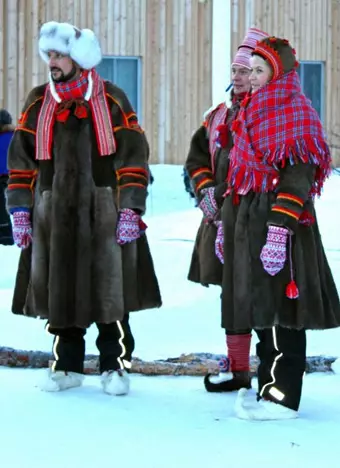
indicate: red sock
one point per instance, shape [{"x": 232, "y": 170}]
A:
[{"x": 238, "y": 352}]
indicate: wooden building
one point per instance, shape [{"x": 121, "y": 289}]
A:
[
  {"x": 158, "y": 50},
  {"x": 173, "y": 57}
]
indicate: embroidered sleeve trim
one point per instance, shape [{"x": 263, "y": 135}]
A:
[
  {"x": 286, "y": 211},
  {"x": 19, "y": 186},
  {"x": 137, "y": 176},
  {"x": 201, "y": 171},
  {"x": 132, "y": 184},
  {"x": 202, "y": 183},
  {"x": 125, "y": 120},
  {"x": 293, "y": 198},
  {"x": 136, "y": 170},
  {"x": 24, "y": 129},
  {"x": 23, "y": 117},
  {"x": 134, "y": 128},
  {"x": 27, "y": 173}
]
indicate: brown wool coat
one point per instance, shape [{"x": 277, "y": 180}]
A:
[
  {"x": 205, "y": 268},
  {"x": 75, "y": 273},
  {"x": 253, "y": 299}
]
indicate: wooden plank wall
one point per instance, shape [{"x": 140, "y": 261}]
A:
[
  {"x": 313, "y": 27},
  {"x": 173, "y": 37}
]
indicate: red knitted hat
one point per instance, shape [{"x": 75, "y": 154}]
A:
[
  {"x": 279, "y": 54},
  {"x": 248, "y": 45}
]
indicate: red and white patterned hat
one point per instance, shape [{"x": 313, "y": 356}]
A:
[
  {"x": 278, "y": 53},
  {"x": 245, "y": 50}
]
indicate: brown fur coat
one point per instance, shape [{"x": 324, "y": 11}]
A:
[{"x": 76, "y": 274}]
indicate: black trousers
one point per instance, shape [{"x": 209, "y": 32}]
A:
[
  {"x": 115, "y": 344},
  {"x": 282, "y": 354}
]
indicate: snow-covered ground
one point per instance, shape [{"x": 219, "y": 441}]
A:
[
  {"x": 189, "y": 320},
  {"x": 165, "y": 422}
]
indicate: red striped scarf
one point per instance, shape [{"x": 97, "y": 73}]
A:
[{"x": 75, "y": 91}]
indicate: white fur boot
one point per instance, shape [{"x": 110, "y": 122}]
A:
[
  {"x": 262, "y": 410},
  {"x": 115, "y": 382},
  {"x": 60, "y": 380}
]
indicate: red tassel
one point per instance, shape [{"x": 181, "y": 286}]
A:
[
  {"x": 80, "y": 112},
  {"x": 63, "y": 115},
  {"x": 222, "y": 135},
  {"x": 292, "y": 291},
  {"x": 306, "y": 218},
  {"x": 235, "y": 125},
  {"x": 142, "y": 226}
]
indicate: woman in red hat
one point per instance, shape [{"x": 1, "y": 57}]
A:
[{"x": 276, "y": 278}]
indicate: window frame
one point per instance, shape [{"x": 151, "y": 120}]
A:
[
  {"x": 322, "y": 84},
  {"x": 136, "y": 58}
]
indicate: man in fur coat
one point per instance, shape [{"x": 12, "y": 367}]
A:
[
  {"x": 78, "y": 176},
  {"x": 207, "y": 166}
]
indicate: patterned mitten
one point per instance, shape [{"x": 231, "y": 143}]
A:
[
  {"x": 273, "y": 255},
  {"x": 129, "y": 227},
  {"x": 208, "y": 204},
  {"x": 219, "y": 242},
  {"x": 22, "y": 229}
]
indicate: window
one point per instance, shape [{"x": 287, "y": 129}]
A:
[
  {"x": 312, "y": 83},
  {"x": 125, "y": 73}
]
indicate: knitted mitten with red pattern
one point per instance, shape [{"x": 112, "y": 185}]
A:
[
  {"x": 273, "y": 255},
  {"x": 219, "y": 242},
  {"x": 130, "y": 226},
  {"x": 208, "y": 204},
  {"x": 22, "y": 228}
]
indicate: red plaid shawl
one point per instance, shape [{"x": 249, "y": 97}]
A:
[
  {"x": 74, "y": 92},
  {"x": 275, "y": 126}
]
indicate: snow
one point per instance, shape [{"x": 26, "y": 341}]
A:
[
  {"x": 336, "y": 366},
  {"x": 165, "y": 422},
  {"x": 189, "y": 320}
]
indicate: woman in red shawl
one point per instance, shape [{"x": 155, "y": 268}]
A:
[{"x": 276, "y": 278}]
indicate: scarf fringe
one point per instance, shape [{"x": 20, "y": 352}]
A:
[
  {"x": 308, "y": 151},
  {"x": 243, "y": 178}
]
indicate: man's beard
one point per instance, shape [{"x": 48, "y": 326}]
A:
[{"x": 63, "y": 78}]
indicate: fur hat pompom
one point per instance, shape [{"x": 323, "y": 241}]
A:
[{"x": 81, "y": 45}]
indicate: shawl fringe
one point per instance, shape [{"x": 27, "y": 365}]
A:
[{"x": 307, "y": 151}]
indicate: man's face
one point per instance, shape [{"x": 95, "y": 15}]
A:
[
  {"x": 240, "y": 78},
  {"x": 61, "y": 66}
]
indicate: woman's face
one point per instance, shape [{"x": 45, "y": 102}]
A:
[{"x": 261, "y": 72}]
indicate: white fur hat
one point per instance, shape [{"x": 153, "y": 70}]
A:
[{"x": 80, "y": 44}]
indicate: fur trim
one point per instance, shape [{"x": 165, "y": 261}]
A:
[
  {"x": 116, "y": 382},
  {"x": 80, "y": 44},
  {"x": 263, "y": 410},
  {"x": 60, "y": 380},
  {"x": 7, "y": 128}
]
